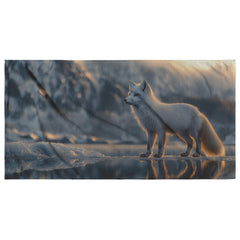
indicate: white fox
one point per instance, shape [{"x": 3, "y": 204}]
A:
[{"x": 183, "y": 120}]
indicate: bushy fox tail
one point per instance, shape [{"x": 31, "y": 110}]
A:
[{"x": 210, "y": 142}]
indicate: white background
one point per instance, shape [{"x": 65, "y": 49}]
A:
[{"x": 72, "y": 209}]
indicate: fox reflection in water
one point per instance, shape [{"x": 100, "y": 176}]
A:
[{"x": 187, "y": 169}]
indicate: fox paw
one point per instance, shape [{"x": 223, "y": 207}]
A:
[
  {"x": 196, "y": 154},
  {"x": 157, "y": 155},
  {"x": 184, "y": 154},
  {"x": 145, "y": 155}
]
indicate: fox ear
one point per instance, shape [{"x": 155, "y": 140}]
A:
[
  {"x": 144, "y": 85},
  {"x": 131, "y": 84}
]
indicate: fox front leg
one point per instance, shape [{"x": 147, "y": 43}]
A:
[
  {"x": 162, "y": 140},
  {"x": 152, "y": 135}
]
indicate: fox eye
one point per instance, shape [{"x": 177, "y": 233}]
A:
[{"x": 136, "y": 94}]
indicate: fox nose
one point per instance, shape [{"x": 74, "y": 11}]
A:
[{"x": 125, "y": 100}]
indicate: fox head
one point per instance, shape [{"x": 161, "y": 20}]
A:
[{"x": 138, "y": 92}]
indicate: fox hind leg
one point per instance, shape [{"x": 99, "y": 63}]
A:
[
  {"x": 194, "y": 134},
  {"x": 152, "y": 135},
  {"x": 189, "y": 141}
]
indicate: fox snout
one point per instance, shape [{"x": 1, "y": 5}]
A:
[{"x": 127, "y": 100}]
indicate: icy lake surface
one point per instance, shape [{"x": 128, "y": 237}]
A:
[{"x": 42, "y": 160}]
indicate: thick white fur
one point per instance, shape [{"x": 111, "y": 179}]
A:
[
  {"x": 211, "y": 143},
  {"x": 186, "y": 120}
]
